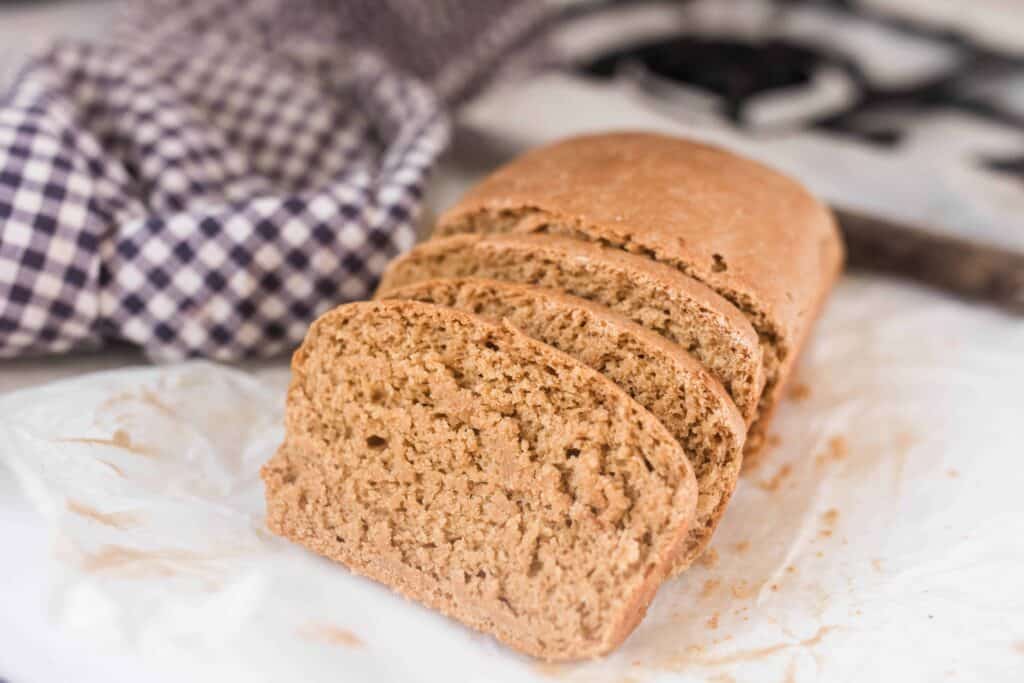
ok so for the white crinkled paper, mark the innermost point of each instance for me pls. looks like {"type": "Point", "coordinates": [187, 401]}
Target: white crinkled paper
{"type": "Point", "coordinates": [882, 539]}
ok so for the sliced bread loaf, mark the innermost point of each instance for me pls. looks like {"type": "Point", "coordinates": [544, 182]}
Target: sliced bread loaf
{"type": "Point", "coordinates": [651, 294]}
{"type": "Point", "coordinates": [755, 236]}
{"type": "Point", "coordinates": [481, 473]}
{"type": "Point", "coordinates": [656, 373]}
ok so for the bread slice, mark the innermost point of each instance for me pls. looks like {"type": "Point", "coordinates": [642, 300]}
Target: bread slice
{"type": "Point", "coordinates": [655, 373]}
{"type": "Point", "coordinates": [481, 473]}
{"type": "Point", "coordinates": [653, 295]}
{"type": "Point", "coordinates": [753, 235]}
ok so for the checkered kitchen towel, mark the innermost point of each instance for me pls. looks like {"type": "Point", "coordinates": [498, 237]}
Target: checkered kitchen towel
{"type": "Point", "coordinates": [219, 172]}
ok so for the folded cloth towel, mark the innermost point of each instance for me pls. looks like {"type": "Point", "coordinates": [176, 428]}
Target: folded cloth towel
{"type": "Point", "coordinates": [218, 173]}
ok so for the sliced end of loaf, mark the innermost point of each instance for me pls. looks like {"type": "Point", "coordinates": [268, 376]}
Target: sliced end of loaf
{"type": "Point", "coordinates": [481, 473]}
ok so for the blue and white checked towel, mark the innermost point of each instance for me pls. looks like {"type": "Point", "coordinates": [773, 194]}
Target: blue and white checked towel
{"type": "Point", "coordinates": [218, 173]}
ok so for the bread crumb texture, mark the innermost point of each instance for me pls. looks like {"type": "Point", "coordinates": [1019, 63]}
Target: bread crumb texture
{"type": "Point", "coordinates": [657, 374]}
{"type": "Point", "coordinates": [650, 294]}
{"type": "Point", "coordinates": [481, 473]}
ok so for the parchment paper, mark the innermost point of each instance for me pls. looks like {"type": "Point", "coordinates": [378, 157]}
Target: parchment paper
{"type": "Point", "coordinates": [883, 538]}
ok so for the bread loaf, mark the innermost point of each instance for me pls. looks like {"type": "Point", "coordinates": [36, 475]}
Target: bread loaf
{"type": "Point", "coordinates": [753, 235]}
{"type": "Point", "coordinates": [481, 473]}
{"type": "Point", "coordinates": [651, 294]}
{"type": "Point", "coordinates": [657, 374]}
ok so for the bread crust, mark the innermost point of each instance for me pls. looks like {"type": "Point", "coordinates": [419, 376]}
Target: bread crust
{"type": "Point", "coordinates": [755, 236]}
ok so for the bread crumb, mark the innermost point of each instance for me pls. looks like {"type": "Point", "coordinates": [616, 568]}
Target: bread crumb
{"type": "Point", "coordinates": [775, 588]}
{"type": "Point", "coordinates": [820, 554]}
{"type": "Point", "coordinates": [553, 669]}
{"type": "Point", "coordinates": [117, 470]}
{"type": "Point", "coordinates": [120, 439]}
{"type": "Point", "coordinates": [710, 586]}
{"type": "Point", "coordinates": [799, 391]}
{"type": "Point", "coordinates": [952, 473]}
{"type": "Point", "coordinates": [332, 635]}
{"type": "Point", "coordinates": [742, 589]}
{"type": "Point", "coordinates": [131, 562]}
{"type": "Point", "coordinates": [877, 565]}
{"type": "Point", "coordinates": [905, 440]}
{"type": "Point", "coordinates": [713, 621]}
{"type": "Point", "coordinates": [742, 546]}
{"type": "Point", "coordinates": [791, 569]}
{"type": "Point", "coordinates": [836, 450]}
{"type": "Point", "coordinates": [710, 558]}
{"type": "Point", "coordinates": [1019, 646]}
{"type": "Point", "coordinates": [775, 482]}
{"type": "Point", "coordinates": [825, 533]}
{"type": "Point", "coordinates": [830, 516]}
{"type": "Point", "coordinates": [117, 520]}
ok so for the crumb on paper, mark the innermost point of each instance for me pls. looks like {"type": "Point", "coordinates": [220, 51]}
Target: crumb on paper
{"type": "Point", "coordinates": [775, 482]}
{"type": "Point", "coordinates": [710, 586]}
{"type": "Point", "coordinates": [835, 451]}
{"type": "Point", "coordinates": [904, 442]}
{"type": "Point", "coordinates": [550, 669]}
{"type": "Point", "coordinates": [1019, 646]}
{"type": "Point", "coordinates": [830, 516]}
{"type": "Point", "coordinates": [117, 520]}
{"type": "Point", "coordinates": [763, 652]}
{"type": "Point", "coordinates": [790, 569]}
{"type": "Point", "coordinates": [742, 589]}
{"type": "Point", "coordinates": [145, 396]}
{"type": "Point", "coordinates": [120, 439]}
{"type": "Point", "coordinates": [332, 635]}
{"type": "Point", "coordinates": [712, 621]}
{"type": "Point", "coordinates": [791, 671]}
{"type": "Point", "coordinates": [799, 391]}
{"type": "Point", "coordinates": [742, 547]}
{"type": "Point", "coordinates": [710, 558]}
{"type": "Point", "coordinates": [117, 470]}
{"type": "Point", "coordinates": [953, 473]}
{"type": "Point", "coordinates": [825, 533]}
{"type": "Point", "coordinates": [876, 564]}
{"type": "Point", "coordinates": [141, 563]}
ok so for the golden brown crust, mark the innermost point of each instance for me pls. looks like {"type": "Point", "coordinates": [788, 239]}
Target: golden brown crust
{"type": "Point", "coordinates": [752, 234]}
{"type": "Point", "coordinates": [318, 481]}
